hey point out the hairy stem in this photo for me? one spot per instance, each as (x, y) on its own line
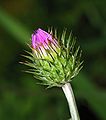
(71, 101)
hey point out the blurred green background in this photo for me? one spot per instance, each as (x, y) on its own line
(20, 97)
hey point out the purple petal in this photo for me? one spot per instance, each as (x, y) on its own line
(41, 38)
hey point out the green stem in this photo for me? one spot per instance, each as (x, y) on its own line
(71, 101)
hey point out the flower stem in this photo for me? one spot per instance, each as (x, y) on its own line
(71, 101)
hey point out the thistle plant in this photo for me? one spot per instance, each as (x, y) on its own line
(55, 61)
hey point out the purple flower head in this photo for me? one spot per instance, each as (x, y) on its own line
(54, 61)
(40, 38)
(43, 42)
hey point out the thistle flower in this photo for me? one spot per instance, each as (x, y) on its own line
(54, 61)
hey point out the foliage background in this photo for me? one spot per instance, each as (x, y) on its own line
(20, 97)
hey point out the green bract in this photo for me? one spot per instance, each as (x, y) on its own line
(59, 66)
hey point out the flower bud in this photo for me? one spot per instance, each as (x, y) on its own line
(55, 63)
